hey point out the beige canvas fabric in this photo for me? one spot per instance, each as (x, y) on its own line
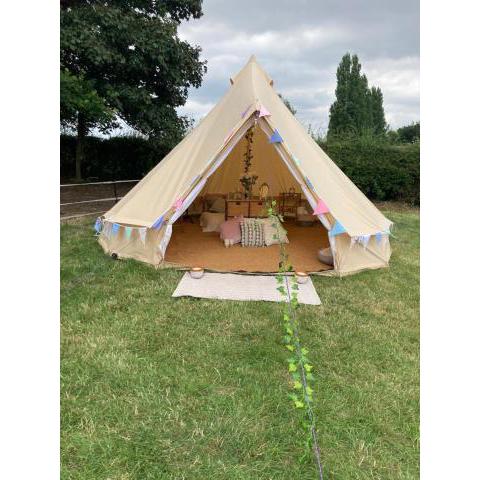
(209, 159)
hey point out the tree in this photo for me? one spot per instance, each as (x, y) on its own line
(124, 60)
(287, 103)
(357, 108)
(409, 133)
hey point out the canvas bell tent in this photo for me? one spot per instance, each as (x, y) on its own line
(146, 224)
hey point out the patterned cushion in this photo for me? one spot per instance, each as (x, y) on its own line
(252, 233)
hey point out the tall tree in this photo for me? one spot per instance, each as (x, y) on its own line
(357, 108)
(340, 115)
(124, 60)
(379, 125)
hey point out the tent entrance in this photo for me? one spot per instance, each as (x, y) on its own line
(190, 246)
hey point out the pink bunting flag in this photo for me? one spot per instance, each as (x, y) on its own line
(321, 208)
(263, 112)
(178, 204)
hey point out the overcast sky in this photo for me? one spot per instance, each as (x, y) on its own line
(300, 43)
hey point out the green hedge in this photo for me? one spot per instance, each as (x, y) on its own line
(381, 171)
(116, 158)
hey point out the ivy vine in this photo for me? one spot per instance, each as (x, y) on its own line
(299, 365)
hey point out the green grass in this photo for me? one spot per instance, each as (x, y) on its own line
(161, 388)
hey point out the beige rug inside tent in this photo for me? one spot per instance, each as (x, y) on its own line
(190, 247)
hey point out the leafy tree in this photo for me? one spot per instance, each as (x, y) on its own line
(124, 60)
(357, 108)
(378, 123)
(288, 104)
(409, 133)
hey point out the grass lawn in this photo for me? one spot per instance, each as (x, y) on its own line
(161, 388)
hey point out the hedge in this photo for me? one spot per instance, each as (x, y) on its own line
(381, 171)
(116, 158)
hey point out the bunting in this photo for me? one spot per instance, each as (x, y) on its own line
(128, 232)
(107, 229)
(275, 138)
(321, 208)
(115, 228)
(158, 223)
(98, 225)
(143, 234)
(364, 239)
(263, 112)
(337, 229)
(178, 204)
(379, 238)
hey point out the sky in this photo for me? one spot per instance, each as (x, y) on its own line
(300, 43)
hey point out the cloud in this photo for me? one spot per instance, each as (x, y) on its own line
(300, 44)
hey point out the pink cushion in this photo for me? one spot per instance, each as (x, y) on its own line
(230, 230)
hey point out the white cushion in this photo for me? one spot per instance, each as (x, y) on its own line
(210, 221)
(271, 232)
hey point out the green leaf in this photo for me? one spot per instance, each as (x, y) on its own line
(304, 351)
(292, 367)
(308, 367)
(297, 385)
(290, 347)
(309, 376)
(299, 404)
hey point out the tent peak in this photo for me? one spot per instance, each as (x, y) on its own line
(252, 65)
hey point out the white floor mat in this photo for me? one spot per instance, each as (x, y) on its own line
(230, 286)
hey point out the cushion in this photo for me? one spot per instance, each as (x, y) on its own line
(210, 222)
(272, 236)
(325, 256)
(218, 205)
(230, 230)
(252, 233)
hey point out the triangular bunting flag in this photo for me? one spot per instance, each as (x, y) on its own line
(321, 208)
(107, 229)
(337, 229)
(158, 223)
(178, 204)
(364, 239)
(276, 138)
(128, 232)
(98, 225)
(115, 228)
(379, 237)
(263, 112)
(143, 234)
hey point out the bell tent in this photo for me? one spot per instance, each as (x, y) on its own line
(148, 224)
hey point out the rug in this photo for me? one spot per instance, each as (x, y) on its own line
(190, 247)
(230, 286)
